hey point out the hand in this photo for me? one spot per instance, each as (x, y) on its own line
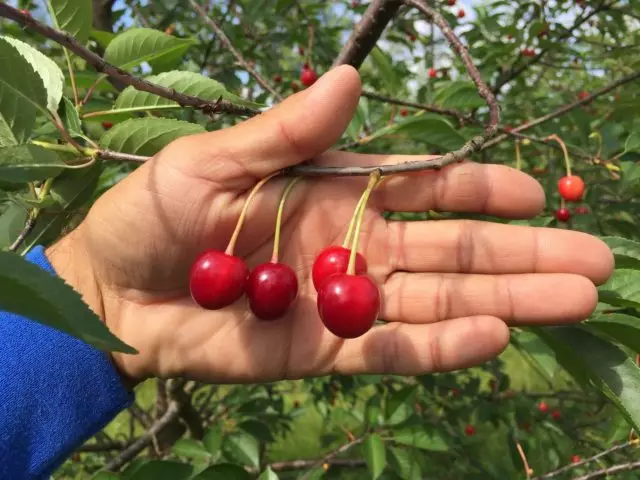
(450, 289)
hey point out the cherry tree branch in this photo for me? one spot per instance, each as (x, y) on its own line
(100, 65)
(365, 35)
(334, 453)
(605, 472)
(234, 51)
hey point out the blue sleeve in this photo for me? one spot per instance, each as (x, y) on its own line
(55, 393)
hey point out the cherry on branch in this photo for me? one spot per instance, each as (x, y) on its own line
(334, 260)
(216, 279)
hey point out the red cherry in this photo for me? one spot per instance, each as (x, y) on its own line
(575, 459)
(571, 188)
(271, 289)
(583, 94)
(216, 279)
(301, 50)
(543, 407)
(451, 2)
(556, 415)
(308, 77)
(107, 125)
(469, 430)
(563, 214)
(455, 392)
(509, 37)
(348, 304)
(277, 78)
(461, 13)
(24, 11)
(581, 210)
(334, 260)
(412, 37)
(433, 73)
(404, 112)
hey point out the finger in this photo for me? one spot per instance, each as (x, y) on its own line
(403, 349)
(465, 246)
(302, 126)
(517, 299)
(465, 187)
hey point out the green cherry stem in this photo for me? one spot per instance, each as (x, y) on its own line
(518, 156)
(567, 161)
(276, 236)
(245, 208)
(374, 179)
(347, 238)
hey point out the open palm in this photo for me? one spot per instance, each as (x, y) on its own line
(449, 288)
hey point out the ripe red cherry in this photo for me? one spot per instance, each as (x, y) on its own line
(271, 288)
(216, 279)
(348, 304)
(461, 13)
(433, 73)
(107, 125)
(571, 188)
(404, 112)
(556, 415)
(469, 430)
(543, 407)
(308, 77)
(451, 2)
(583, 94)
(277, 78)
(412, 37)
(563, 214)
(575, 459)
(334, 260)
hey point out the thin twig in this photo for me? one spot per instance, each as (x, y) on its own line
(100, 65)
(605, 472)
(26, 230)
(102, 447)
(234, 51)
(334, 453)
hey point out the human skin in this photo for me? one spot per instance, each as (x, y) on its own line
(450, 288)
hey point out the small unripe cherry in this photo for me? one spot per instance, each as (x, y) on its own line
(433, 73)
(556, 415)
(277, 78)
(217, 279)
(583, 94)
(107, 125)
(563, 214)
(451, 2)
(575, 459)
(334, 260)
(271, 288)
(412, 37)
(461, 13)
(571, 188)
(404, 112)
(469, 430)
(308, 77)
(348, 304)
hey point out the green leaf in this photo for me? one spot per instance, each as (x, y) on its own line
(27, 290)
(420, 437)
(268, 474)
(7, 138)
(106, 476)
(633, 143)
(623, 288)
(137, 45)
(162, 470)
(625, 251)
(431, 129)
(536, 353)
(375, 455)
(12, 222)
(213, 440)
(226, 471)
(73, 16)
(257, 429)
(70, 118)
(404, 463)
(190, 448)
(594, 361)
(22, 93)
(400, 405)
(51, 75)
(26, 163)
(623, 328)
(131, 100)
(460, 95)
(103, 38)
(383, 65)
(146, 136)
(243, 448)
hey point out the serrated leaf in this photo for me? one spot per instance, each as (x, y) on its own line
(625, 329)
(404, 463)
(243, 448)
(226, 471)
(268, 474)
(633, 143)
(190, 448)
(162, 470)
(626, 251)
(7, 138)
(375, 455)
(460, 95)
(623, 288)
(73, 16)
(26, 163)
(421, 437)
(536, 353)
(51, 75)
(138, 45)
(597, 362)
(146, 136)
(383, 65)
(400, 405)
(431, 129)
(22, 93)
(131, 100)
(70, 118)
(213, 440)
(27, 290)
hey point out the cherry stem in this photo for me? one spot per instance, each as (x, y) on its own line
(245, 208)
(374, 179)
(567, 161)
(276, 237)
(518, 156)
(347, 237)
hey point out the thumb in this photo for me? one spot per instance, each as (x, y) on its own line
(301, 127)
